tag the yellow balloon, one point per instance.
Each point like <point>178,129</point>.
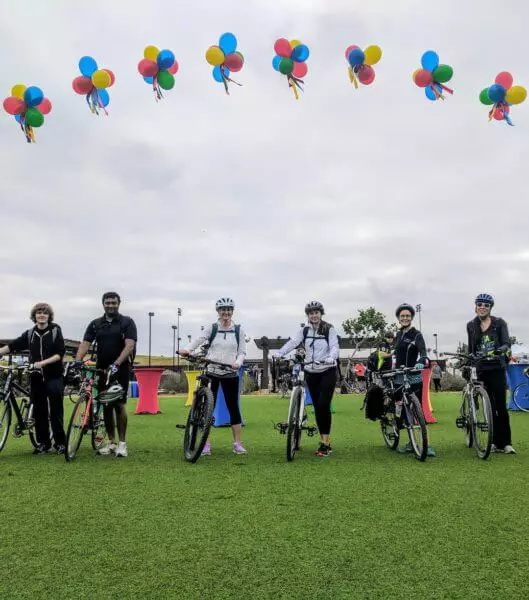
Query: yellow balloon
<point>372,55</point>
<point>214,56</point>
<point>294,43</point>
<point>151,53</point>
<point>18,91</point>
<point>101,79</point>
<point>516,95</point>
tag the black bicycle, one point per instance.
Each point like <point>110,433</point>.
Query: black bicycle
<point>475,417</point>
<point>16,399</point>
<point>403,410</point>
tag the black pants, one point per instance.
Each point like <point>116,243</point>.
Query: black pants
<point>437,384</point>
<point>230,387</point>
<point>47,396</point>
<point>321,387</point>
<point>496,386</point>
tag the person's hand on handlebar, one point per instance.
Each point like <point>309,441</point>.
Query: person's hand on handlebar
<point>184,352</point>
<point>329,361</point>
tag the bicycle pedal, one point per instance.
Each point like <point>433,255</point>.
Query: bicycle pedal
<point>461,422</point>
<point>483,427</point>
<point>17,433</point>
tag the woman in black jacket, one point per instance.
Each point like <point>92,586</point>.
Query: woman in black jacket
<point>45,344</point>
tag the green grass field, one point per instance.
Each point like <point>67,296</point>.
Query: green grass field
<point>365,523</point>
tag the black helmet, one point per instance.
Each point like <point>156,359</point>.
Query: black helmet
<point>404,306</point>
<point>314,305</point>
<point>485,298</point>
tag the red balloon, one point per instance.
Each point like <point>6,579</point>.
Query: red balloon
<point>348,49</point>
<point>300,69</point>
<point>423,78</point>
<point>45,106</point>
<point>505,79</point>
<point>234,62</point>
<point>14,106</point>
<point>366,74</point>
<point>82,85</point>
<point>147,68</point>
<point>174,68</point>
<point>283,48</point>
<point>112,76</point>
<point>500,112</point>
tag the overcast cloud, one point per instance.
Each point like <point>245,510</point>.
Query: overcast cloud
<point>355,198</point>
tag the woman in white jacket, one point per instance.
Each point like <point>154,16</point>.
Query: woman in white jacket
<point>227,345</point>
<point>321,355</point>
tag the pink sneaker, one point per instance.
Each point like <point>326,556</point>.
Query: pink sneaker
<point>239,448</point>
<point>207,450</point>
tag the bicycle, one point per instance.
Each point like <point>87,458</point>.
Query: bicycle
<point>520,394</point>
<point>297,415</point>
<point>476,411</point>
<point>8,405</point>
<point>87,413</point>
<point>403,410</point>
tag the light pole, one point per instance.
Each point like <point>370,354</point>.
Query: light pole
<point>174,328</point>
<point>178,315</point>
<point>436,353</point>
<point>418,308</point>
<point>151,315</point>
<point>189,337</point>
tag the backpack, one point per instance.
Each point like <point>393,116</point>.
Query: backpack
<point>54,331</point>
<point>323,329</point>
<point>374,403</point>
<point>215,329</point>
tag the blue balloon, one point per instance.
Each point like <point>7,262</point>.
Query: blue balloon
<point>165,59</point>
<point>497,93</point>
<point>18,118</point>
<point>217,74</point>
<point>430,60</point>
<point>300,53</point>
<point>104,97</point>
<point>276,61</point>
<point>87,66</point>
<point>149,80</point>
<point>33,96</point>
<point>430,94</point>
<point>356,57</point>
<point>228,43</point>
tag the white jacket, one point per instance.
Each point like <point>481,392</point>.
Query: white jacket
<point>316,349</point>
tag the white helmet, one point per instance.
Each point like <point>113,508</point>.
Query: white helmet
<point>114,393</point>
<point>224,303</point>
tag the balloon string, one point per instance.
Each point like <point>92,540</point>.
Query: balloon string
<point>352,77</point>
<point>100,102</point>
<point>156,89</point>
<point>28,130</point>
<point>437,93</point>
<point>446,89</point>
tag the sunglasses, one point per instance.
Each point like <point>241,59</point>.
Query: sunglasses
<point>483,304</point>
<point>227,308</point>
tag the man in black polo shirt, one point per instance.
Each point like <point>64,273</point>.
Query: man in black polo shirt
<point>115,337</point>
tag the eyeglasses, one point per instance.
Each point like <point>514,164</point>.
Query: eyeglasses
<point>483,304</point>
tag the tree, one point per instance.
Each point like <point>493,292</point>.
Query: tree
<point>367,329</point>
<point>514,340</point>
<point>462,348</point>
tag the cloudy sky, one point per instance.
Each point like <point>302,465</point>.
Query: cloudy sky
<point>355,198</point>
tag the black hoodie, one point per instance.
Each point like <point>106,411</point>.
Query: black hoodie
<point>41,345</point>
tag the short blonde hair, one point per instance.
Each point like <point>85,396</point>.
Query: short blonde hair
<point>41,306</point>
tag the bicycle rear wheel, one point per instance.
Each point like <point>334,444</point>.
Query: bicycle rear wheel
<point>416,425</point>
<point>99,430</point>
<point>294,426</point>
<point>77,426</point>
<point>5,421</point>
<point>520,396</point>
<point>481,422</point>
<point>198,424</point>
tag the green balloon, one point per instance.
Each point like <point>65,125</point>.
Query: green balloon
<point>165,80</point>
<point>34,117</point>
<point>484,97</point>
<point>443,73</point>
<point>286,66</point>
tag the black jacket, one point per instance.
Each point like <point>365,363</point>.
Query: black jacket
<point>409,346</point>
<point>42,345</point>
<point>496,339</point>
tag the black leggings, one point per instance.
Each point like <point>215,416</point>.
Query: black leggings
<point>496,386</point>
<point>437,384</point>
<point>230,387</point>
<point>48,394</point>
<point>321,387</point>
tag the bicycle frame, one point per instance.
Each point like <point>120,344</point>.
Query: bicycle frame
<point>9,389</point>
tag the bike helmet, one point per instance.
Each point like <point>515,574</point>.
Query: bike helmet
<point>224,303</point>
<point>114,393</point>
<point>404,306</point>
<point>314,305</point>
<point>485,298</point>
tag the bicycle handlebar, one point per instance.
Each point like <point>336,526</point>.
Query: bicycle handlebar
<point>400,371</point>
<point>204,360</point>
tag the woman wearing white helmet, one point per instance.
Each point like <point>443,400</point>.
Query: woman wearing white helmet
<point>226,344</point>
<point>322,350</point>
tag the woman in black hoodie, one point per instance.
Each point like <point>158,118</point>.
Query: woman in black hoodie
<point>45,344</point>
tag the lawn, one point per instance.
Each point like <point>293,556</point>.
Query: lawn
<point>365,523</point>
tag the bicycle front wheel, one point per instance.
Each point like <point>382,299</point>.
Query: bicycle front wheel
<point>99,430</point>
<point>481,421</point>
<point>198,424</point>
<point>294,425</point>
<point>416,426</point>
<point>390,431</point>
<point>467,420</point>
<point>5,421</point>
<point>77,426</point>
<point>520,396</point>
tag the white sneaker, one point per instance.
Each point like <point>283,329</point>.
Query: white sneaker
<point>121,450</point>
<point>107,449</point>
<point>494,449</point>
<point>509,450</point>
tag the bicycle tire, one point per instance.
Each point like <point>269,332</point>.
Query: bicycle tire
<point>5,421</point>
<point>465,413</point>
<point>199,420</point>
<point>76,429</point>
<point>521,392</point>
<point>414,420</point>
<point>390,432</point>
<point>294,426</point>
<point>481,424</point>
<point>99,429</point>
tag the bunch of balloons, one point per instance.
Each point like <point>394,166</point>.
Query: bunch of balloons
<point>93,83</point>
<point>290,60</point>
<point>225,59</point>
<point>158,69</point>
<point>433,76</point>
<point>361,63</point>
<point>28,105</point>
<point>502,95</point>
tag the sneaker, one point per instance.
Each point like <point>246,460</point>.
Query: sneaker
<point>121,450</point>
<point>238,448</point>
<point>323,450</point>
<point>430,452</point>
<point>497,450</point>
<point>60,450</point>
<point>206,450</point>
<point>42,449</point>
<point>107,449</point>
<point>405,449</point>
<point>509,449</point>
